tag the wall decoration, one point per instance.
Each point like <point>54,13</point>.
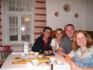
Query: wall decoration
<point>67,7</point>
<point>56,14</point>
<point>76,15</point>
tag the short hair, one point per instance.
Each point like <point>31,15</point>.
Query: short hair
<point>59,29</point>
<point>69,25</point>
<point>89,40</point>
<point>47,27</point>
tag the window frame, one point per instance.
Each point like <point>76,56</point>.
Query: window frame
<point>5,24</point>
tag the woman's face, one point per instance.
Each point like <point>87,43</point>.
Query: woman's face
<point>81,40</point>
<point>58,34</point>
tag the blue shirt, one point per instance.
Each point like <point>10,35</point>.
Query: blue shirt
<point>84,60</point>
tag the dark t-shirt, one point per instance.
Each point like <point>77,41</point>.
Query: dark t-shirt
<point>66,44</point>
<point>40,46</point>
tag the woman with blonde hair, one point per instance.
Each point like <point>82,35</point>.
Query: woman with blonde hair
<point>56,42</point>
<point>81,56</point>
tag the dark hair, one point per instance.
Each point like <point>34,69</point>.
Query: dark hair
<point>59,29</point>
<point>89,40</point>
<point>69,25</point>
<point>47,27</point>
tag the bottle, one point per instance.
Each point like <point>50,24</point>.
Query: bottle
<point>26,48</point>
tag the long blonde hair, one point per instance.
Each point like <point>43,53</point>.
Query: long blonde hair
<point>89,40</point>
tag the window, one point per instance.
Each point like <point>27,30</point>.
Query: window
<point>18,20</point>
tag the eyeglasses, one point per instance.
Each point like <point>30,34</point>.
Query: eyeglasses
<point>48,31</point>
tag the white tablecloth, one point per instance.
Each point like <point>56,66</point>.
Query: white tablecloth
<point>9,66</point>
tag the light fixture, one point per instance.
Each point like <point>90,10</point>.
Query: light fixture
<point>26,18</point>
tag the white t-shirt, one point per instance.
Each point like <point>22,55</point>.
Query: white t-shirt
<point>54,43</point>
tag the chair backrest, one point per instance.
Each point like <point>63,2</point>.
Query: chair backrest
<point>5,49</point>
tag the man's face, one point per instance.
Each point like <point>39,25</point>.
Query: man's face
<point>69,31</point>
<point>46,33</point>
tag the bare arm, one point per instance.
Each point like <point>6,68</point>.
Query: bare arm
<point>87,69</point>
<point>74,66</point>
<point>60,51</point>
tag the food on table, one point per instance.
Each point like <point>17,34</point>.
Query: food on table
<point>21,61</point>
<point>31,53</point>
<point>40,58</point>
<point>17,57</point>
<point>28,59</point>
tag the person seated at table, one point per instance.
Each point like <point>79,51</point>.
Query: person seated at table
<point>56,42</point>
<point>66,45</point>
<point>81,57</point>
<point>42,43</point>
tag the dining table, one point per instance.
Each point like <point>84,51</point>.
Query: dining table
<point>21,61</point>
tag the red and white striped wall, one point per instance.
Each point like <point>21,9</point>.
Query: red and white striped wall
<point>40,17</point>
<point>0,25</point>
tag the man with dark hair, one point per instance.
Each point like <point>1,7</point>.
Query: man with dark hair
<point>42,43</point>
<point>47,27</point>
<point>66,45</point>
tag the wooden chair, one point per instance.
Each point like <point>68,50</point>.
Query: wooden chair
<point>4,51</point>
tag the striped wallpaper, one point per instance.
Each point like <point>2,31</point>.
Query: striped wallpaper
<point>0,25</point>
<point>40,17</point>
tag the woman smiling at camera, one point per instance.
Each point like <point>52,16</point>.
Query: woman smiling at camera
<point>81,58</point>
<point>56,42</point>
